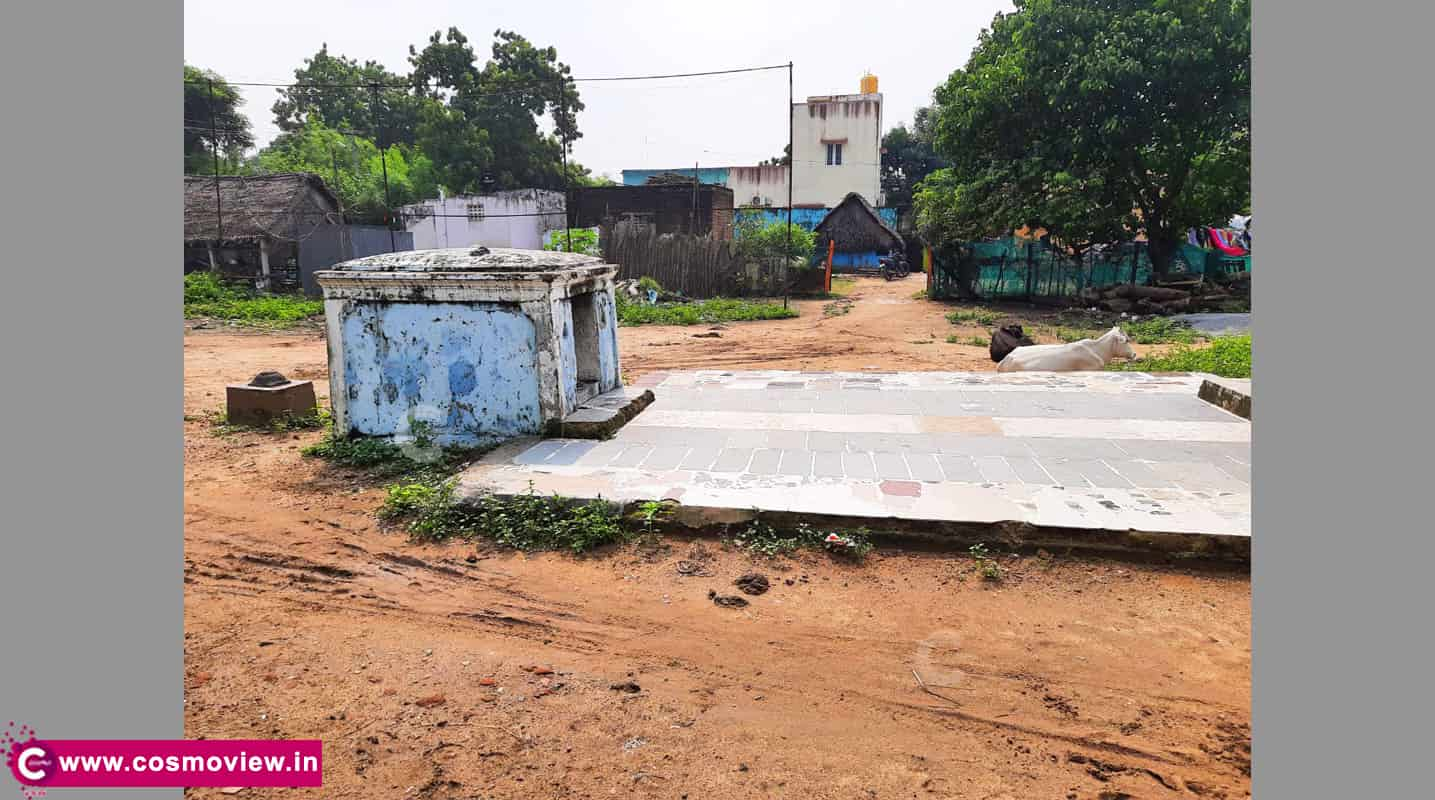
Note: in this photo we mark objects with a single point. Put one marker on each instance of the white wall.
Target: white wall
(517, 218)
(854, 118)
(767, 182)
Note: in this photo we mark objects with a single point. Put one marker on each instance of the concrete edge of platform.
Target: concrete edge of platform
(1231, 395)
(944, 534)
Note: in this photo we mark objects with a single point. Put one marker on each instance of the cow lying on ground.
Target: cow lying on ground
(1087, 354)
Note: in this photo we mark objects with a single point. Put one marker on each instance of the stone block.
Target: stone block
(248, 404)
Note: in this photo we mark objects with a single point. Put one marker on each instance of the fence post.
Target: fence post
(831, 247)
(1030, 273)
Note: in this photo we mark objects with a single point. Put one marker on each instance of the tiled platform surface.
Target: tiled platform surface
(1101, 451)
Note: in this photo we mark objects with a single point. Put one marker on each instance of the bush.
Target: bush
(206, 295)
(756, 241)
(1226, 356)
(585, 241)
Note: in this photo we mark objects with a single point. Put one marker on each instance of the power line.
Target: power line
(427, 85)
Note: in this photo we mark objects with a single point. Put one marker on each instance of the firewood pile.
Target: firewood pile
(1173, 297)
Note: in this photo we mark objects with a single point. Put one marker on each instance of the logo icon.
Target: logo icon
(30, 760)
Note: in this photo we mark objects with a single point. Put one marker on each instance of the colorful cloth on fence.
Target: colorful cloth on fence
(1226, 242)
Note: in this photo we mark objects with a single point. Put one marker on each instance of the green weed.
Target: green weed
(987, 567)
(528, 521)
(970, 316)
(206, 295)
(761, 538)
(700, 312)
(1227, 356)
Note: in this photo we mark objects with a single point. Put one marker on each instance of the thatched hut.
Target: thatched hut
(860, 235)
(275, 229)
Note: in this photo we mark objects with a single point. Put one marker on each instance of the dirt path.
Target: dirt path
(303, 619)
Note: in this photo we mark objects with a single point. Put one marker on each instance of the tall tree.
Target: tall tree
(482, 123)
(354, 168)
(343, 94)
(908, 156)
(1093, 116)
(784, 160)
(212, 119)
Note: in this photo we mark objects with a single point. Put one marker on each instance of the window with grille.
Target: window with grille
(475, 212)
(834, 154)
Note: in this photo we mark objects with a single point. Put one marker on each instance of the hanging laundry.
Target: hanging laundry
(1224, 241)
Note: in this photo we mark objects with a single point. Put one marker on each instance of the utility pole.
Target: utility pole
(695, 198)
(384, 162)
(563, 138)
(214, 151)
(791, 165)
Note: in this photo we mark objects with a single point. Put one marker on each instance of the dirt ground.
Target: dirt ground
(445, 671)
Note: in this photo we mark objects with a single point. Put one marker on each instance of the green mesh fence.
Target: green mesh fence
(1017, 268)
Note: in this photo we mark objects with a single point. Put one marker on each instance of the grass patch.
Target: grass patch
(974, 341)
(319, 417)
(700, 312)
(920, 294)
(973, 316)
(842, 287)
(382, 458)
(527, 522)
(205, 295)
(1227, 356)
(763, 539)
(837, 308)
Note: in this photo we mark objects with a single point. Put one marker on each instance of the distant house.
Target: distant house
(517, 218)
(275, 229)
(667, 206)
(860, 235)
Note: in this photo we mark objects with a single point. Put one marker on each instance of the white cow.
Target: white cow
(1087, 354)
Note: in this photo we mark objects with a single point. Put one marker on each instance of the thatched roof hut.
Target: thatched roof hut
(856, 228)
(284, 206)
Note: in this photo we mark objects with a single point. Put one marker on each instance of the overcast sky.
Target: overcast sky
(716, 121)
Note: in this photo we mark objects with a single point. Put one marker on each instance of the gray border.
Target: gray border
(90, 578)
(1342, 163)
(92, 562)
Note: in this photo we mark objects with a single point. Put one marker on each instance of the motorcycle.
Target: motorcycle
(894, 266)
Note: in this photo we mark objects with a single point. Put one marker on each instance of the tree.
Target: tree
(353, 169)
(212, 119)
(908, 156)
(784, 160)
(1093, 118)
(481, 124)
(343, 94)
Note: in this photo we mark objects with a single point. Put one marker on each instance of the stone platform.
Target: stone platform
(1111, 460)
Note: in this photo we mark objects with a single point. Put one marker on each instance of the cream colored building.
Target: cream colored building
(837, 147)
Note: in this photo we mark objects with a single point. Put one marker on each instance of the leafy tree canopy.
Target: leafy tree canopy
(343, 94)
(212, 118)
(1096, 119)
(908, 156)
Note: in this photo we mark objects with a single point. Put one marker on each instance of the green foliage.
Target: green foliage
(353, 169)
(480, 124)
(987, 567)
(908, 156)
(585, 241)
(757, 241)
(210, 120)
(1096, 121)
(698, 312)
(360, 452)
(977, 316)
(526, 522)
(1226, 356)
(648, 284)
(760, 538)
(1160, 330)
(335, 92)
(205, 295)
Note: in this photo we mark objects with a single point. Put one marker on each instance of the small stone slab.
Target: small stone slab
(1234, 395)
(600, 417)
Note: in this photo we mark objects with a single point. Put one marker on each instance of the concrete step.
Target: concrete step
(602, 416)
(1232, 394)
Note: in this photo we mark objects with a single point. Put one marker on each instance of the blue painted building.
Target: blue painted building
(465, 347)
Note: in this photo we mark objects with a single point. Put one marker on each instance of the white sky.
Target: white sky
(714, 121)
